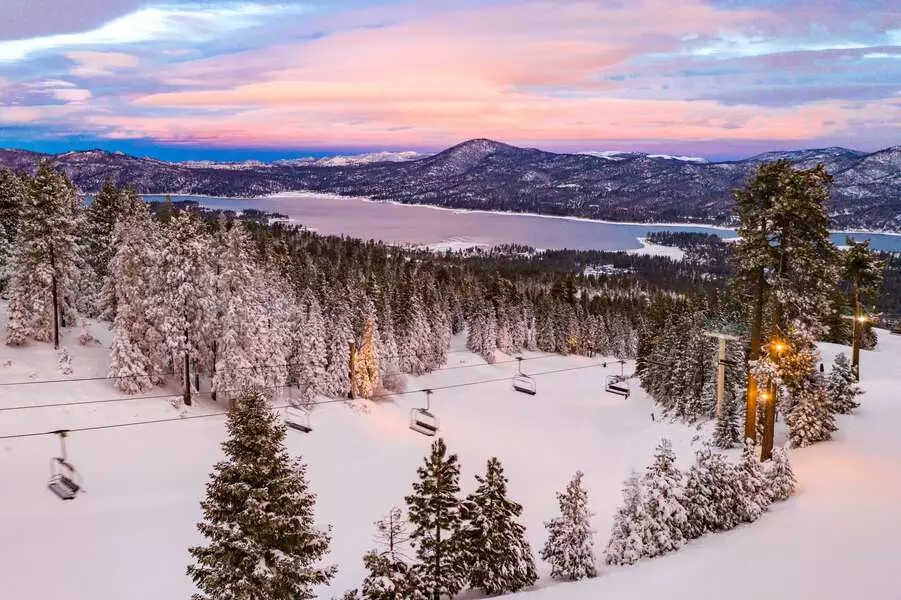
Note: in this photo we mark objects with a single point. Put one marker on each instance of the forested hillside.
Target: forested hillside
(488, 175)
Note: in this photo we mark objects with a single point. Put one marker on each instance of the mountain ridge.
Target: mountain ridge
(490, 175)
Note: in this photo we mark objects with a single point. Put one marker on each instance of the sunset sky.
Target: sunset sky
(235, 80)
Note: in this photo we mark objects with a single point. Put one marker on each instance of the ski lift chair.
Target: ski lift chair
(298, 419)
(522, 382)
(65, 481)
(617, 386)
(422, 420)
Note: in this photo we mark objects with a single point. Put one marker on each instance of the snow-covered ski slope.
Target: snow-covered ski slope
(127, 536)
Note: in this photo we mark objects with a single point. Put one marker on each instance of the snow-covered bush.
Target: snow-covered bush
(780, 476)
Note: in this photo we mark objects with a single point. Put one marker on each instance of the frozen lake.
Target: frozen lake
(401, 224)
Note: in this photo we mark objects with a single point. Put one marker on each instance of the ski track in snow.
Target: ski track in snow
(127, 536)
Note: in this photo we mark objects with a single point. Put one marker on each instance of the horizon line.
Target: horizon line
(324, 153)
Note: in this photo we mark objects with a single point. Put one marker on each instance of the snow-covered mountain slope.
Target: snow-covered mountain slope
(488, 175)
(617, 155)
(127, 536)
(833, 540)
(309, 161)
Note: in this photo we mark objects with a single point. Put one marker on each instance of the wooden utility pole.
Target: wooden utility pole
(721, 368)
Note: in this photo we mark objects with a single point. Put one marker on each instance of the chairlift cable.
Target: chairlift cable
(281, 406)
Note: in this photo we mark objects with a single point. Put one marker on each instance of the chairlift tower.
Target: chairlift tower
(723, 337)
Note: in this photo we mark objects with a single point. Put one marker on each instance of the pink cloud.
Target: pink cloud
(525, 69)
(532, 72)
(93, 64)
(593, 119)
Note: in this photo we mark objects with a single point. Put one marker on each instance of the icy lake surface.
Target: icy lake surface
(410, 224)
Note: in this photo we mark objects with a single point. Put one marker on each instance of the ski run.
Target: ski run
(127, 535)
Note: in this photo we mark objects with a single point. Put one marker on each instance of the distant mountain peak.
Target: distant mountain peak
(618, 155)
(485, 174)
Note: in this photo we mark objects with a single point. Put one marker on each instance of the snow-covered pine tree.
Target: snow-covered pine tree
(128, 365)
(570, 544)
(712, 493)
(274, 298)
(812, 419)
(366, 378)
(12, 197)
(390, 576)
(439, 331)
(664, 503)
(434, 513)
(136, 289)
(388, 359)
(45, 257)
(488, 330)
(756, 496)
(725, 432)
(100, 220)
(626, 544)
(314, 352)
(337, 371)
(238, 363)
(390, 579)
(18, 316)
(187, 297)
(843, 388)
(785, 261)
(780, 476)
(498, 554)
(258, 517)
(700, 496)
(64, 361)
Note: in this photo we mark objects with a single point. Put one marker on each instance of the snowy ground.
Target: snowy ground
(127, 536)
(835, 539)
(650, 249)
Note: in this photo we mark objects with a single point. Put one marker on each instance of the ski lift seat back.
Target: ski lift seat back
(298, 419)
(617, 386)
(524, 384)
(64, 481)
(424, 422)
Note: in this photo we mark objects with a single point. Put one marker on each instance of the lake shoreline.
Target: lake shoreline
(332, 196)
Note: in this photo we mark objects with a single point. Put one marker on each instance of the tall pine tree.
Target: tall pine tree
(258, 517)
(570, 544)
(44, 269)
(664, 503)
(499, 555)
(842, 385)
(626, 544)
(434, 512)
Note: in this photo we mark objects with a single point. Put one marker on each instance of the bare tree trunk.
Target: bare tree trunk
(213, 371)
(187, 367)
(855, 348)
(769, 415)
(754, 354)
(55, 302)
